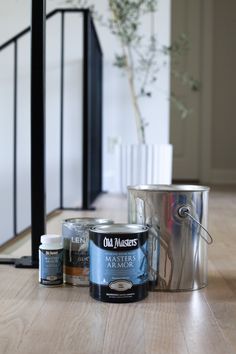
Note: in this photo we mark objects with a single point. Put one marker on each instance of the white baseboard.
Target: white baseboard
(223, 176)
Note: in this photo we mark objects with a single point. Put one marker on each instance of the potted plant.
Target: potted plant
(139, 60)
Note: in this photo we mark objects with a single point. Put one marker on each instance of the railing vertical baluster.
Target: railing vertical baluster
(85, 177)
(38, 190)
(62, 107)
(37, 125)
(15, 142)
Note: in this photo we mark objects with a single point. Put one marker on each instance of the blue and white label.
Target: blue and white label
(109, 267)
(51, 267)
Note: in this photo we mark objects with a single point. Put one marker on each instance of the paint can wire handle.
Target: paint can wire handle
(184, 211)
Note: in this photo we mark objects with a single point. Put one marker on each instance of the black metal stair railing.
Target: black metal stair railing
(92, 124)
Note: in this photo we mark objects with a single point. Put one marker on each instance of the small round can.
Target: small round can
(118, 262)
(75, 232)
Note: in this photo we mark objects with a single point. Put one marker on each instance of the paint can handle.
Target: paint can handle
(184, 211)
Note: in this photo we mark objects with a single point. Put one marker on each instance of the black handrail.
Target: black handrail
(52, 13)
(92, 122)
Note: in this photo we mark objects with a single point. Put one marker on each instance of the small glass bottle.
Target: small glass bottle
(51, 260)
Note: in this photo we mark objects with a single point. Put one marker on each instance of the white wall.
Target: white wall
(6, 144)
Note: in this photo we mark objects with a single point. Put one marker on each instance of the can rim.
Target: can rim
(86, 221)
(119, 229)
(169, 188)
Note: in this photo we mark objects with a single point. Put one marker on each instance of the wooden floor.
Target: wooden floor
(37, 319)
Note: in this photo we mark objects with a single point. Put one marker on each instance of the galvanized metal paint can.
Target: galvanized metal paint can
(178, 239)
(118, 262)
(75, 232)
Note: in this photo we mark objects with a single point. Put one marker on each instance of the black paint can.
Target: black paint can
(118, 262)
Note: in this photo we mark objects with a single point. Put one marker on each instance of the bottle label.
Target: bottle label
(51, 267)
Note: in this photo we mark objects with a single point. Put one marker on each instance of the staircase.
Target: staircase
(73, 120)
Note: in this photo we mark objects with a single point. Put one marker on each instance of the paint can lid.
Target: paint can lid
(51, 238)
(121, 229)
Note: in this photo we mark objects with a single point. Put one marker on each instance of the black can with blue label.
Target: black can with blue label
(118, 262)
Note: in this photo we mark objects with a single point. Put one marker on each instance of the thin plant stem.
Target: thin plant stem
(137, 111)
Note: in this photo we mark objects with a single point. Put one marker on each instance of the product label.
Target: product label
(76, 260)
(119, 262)
(51, 267)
